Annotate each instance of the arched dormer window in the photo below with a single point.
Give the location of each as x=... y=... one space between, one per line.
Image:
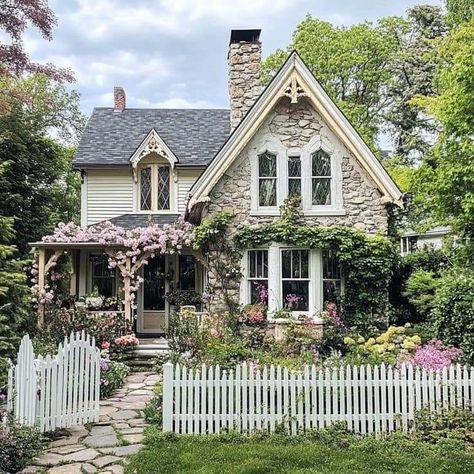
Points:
x=152 y=165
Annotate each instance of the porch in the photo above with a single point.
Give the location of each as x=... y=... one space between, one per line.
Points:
x=141 y=284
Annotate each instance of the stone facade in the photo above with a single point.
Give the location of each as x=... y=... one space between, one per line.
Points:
x=244 y=78
x=294 y=126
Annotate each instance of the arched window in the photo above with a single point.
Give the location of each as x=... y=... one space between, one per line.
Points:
x=321 y=178
x=267 y=180
x=155 y=187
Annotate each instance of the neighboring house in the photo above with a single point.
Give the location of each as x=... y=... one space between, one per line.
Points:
x=152 y=165
x=410 y=241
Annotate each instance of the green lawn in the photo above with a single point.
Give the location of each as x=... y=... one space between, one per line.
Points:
x=325 y=453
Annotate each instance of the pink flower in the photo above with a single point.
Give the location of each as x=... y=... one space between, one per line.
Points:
x=105 y=345
x=434 y=355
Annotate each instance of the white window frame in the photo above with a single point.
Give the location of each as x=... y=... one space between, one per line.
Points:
x=275 y=279
x=154 y=189
x=336 y=208
x=90 y=276
x=248 y=278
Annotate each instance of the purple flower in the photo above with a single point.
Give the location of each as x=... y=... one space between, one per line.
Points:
x=292 y=300
x=262 y=293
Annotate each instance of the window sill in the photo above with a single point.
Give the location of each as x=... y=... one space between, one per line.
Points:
x=293 y=321
x=307 y=213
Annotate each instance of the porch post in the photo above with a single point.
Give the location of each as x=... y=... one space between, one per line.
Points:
x=126 y=289
x=41 y=279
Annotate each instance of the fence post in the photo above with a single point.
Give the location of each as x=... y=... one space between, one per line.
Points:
x=168 y=396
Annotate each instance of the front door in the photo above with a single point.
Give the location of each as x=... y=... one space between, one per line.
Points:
x=152 y=302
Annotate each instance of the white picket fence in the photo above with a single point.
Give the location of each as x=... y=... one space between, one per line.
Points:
x=56 y=392
x=370 y=399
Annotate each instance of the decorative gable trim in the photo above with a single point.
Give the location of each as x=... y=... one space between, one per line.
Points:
x=294 y=80
x=152 y=143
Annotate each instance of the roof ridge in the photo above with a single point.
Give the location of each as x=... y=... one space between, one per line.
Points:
x=161 y=108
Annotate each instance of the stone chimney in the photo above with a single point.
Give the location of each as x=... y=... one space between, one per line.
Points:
x=245 y=55
x=119 y=99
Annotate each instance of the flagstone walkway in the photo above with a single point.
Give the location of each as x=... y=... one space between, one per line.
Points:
x=105 y=447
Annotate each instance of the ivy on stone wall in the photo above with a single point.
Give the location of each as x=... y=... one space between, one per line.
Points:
x=368 y=262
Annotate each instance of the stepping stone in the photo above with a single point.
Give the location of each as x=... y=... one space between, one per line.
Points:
x=85 y=455
x=153 y=379
x=134 y=386
x=140 y=391
x=102 y=430
x=107 y=410
x=106 y=460
x=127 y=450
x=65 y=441
x=49 y=459
x=115 y=469
x=78 y=431
x=121 y=425
x=136 y=378
x=124 y=415
x=129 y=431
x=67 y=449
x=101 y=441
x=89 y=468
x=66 y=469
x=133 y=438
x=31 y=470
x=137 y=422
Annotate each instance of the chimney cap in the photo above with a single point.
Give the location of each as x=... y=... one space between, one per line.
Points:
x=245 y=36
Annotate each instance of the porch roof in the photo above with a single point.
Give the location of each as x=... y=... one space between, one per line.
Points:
x=73 y=245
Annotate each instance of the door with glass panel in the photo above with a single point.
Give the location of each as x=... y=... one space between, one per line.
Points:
x=152 y=303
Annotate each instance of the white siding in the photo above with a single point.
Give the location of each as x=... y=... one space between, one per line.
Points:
x=186 y=179
x=109 y=194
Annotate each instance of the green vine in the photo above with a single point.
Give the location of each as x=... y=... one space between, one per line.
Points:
x=368 y=262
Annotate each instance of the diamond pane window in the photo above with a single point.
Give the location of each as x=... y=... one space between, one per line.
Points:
x=163 y=187
x=321 y=178
x=294 y=176
x=145 y=189
x=267 y=179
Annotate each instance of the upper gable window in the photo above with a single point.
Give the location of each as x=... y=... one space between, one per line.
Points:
x=267 y=180
x=294 y=176
x=155 y=188
x=321 y=179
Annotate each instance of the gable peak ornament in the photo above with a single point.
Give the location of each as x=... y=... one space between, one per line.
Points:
x=294 y=90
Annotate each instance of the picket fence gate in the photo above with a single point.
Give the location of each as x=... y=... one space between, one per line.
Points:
x=369 y=399
x=56 y=392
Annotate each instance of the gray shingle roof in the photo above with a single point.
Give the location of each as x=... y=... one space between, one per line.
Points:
x=130 y=221
x=193 y=135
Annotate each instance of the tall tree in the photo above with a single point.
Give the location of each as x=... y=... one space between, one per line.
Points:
x=459 y=11
x=445 y=181
x=352 y=63
x=413 y=68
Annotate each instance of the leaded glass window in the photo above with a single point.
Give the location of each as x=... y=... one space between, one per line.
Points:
x=294 y=176
x=321 y=178
x=163 y=187
x=145 y=189
x=267 y=179
x=295 y=279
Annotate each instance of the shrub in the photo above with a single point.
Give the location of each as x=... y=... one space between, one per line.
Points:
x=434 y=355
x=453 y=312
x=420 y=289
x=18 y=446
x=112 y=375
x=153 y=410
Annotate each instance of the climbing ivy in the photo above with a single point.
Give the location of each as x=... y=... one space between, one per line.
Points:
x=368 y=262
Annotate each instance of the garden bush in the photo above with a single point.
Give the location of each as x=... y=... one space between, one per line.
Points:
x=18 y=446
x=420 y=289
x=453 y=312
x=112 y=375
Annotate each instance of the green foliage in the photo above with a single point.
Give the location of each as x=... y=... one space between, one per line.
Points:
x=445 y=181
x=112 y=376
x=153 y=411
x=367 y=261
x=453 y=312
x=420 y=289
x=18 y=446
x=211 y=230
x=459 y=11
x=183 y=333
x=432 y=426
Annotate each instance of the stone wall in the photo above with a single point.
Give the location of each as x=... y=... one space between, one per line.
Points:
x=294 y=125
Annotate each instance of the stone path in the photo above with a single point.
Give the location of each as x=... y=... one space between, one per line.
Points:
x=104 y=447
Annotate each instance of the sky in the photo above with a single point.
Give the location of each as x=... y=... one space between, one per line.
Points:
x=173 y=53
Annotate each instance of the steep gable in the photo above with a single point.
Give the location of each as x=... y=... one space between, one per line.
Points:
x=294 y=81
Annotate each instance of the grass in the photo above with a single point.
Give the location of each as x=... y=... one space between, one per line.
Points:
x=331 y=451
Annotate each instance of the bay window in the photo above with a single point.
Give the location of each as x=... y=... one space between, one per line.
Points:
x=267 y=179
x=154 y=188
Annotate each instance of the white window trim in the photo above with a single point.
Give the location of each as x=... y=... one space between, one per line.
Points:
x=336 y=208
x=154 y=188
x=89 y=279
x=275 y=281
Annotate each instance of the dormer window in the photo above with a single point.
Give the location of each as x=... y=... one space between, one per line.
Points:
x=321 y=178
x=267 y=180
x=154 y=187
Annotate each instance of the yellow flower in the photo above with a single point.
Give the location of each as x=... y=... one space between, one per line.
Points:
x=348 y=341
x=370 y=341
x=416 y=339
x=407 y=344
x=408 y=325
x=400 y=330
x=391 y=346
x=360 y=340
